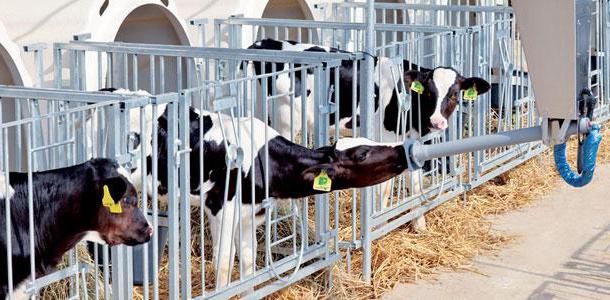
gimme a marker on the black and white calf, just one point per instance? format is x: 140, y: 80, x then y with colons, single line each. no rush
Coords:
x: 67, y: 209
x: 351, y: 163
x: 429, y: 112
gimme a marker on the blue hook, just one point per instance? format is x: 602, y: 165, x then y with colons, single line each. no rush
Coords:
x: 589, y: 155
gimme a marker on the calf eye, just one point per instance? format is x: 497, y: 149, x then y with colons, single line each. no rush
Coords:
x: 362, y: 156
x: 131, y: 200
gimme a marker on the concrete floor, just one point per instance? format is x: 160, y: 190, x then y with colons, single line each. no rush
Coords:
x: 563, y: 252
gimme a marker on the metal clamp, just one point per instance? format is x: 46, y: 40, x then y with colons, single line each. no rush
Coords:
x: 412, y: 164
x: 330, y: 106
x: 268, y: 203
x: 179, y: 153
x: 234, y: 157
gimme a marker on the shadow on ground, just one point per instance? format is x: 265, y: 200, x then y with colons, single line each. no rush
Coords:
x: 586, y: 275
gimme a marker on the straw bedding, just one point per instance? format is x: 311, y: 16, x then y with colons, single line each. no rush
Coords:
x: 457, y: 231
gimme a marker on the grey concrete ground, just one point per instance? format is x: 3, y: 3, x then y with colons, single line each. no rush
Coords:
x: 563, y: 252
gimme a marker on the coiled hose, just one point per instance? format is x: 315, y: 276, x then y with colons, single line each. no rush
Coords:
x: 589, y: 155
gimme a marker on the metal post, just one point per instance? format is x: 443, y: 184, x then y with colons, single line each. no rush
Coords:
x: 172, y: 180
x: 366, y: 123
x: 118, y: 254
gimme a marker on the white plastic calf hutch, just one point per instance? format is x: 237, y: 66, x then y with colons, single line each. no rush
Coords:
x: 12, y: 72
x: 145, y: 21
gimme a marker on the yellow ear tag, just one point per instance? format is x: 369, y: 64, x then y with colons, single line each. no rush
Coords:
x: 322, y: 182
x: 470, y: 94
x: 417, y: 87
x: 116, y: 208
x: 107, y: 199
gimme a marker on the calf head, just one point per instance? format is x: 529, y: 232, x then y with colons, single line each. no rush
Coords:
x: 439, y: 96
x: 359, y: 162
x: 118, y: 219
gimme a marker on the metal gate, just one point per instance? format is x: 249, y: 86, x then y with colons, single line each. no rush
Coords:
x: 225, y: 88
x: 55, y: 129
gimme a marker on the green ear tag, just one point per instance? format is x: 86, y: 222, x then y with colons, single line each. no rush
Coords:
x: 322, y: 182
x: 470, y: 94
x: 116, y: 208
x: 417, y: 87
x: 107, y: 199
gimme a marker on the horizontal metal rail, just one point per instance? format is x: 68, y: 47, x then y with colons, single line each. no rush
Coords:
x: 208, y: 53
x: 64, y: 273
x: 428, y: 7
x: 332, y: 25
x: 57, y: 94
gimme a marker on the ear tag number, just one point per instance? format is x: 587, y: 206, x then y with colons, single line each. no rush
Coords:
x: 107, y: 201
x: 417, y: 87
x: 471, y: 94
x: 116, y: 208
x: 322, y: 182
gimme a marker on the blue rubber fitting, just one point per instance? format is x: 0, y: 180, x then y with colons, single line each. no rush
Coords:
x: 590, y: 147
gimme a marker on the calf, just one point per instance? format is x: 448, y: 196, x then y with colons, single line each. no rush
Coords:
x: 68, y: 207
x: 430, y: 109
x: 351, y: 163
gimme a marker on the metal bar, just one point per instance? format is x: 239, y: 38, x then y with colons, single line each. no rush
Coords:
x: 7, y: 209
x: 55, y: 94
x: 321, y: 25
x: 173, y: 209
x: 281, y: 266
x: 31, y: 230
x: 421, y: 153
x: 366, y: 123
x: 429, y: 7
x: 41, y: 282
x: 185, y: 205
x: 117, y: 253
x: 211, y: 53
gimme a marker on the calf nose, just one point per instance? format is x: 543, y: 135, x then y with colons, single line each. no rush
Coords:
x: 149, y: 230
x: 438, y: 122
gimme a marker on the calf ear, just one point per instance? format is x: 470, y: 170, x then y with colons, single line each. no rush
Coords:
x: 134, y: 139
x: 480, y: 84
x: 330, y: 152
x: 311, y: 173
x: 411, y: 76
x: 117, y: 187
x: 163, y: 120
x: 110, y: 90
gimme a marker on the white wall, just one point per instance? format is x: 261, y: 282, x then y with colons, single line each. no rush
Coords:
x: 34, y: 21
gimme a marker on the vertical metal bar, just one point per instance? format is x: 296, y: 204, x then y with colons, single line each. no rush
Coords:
x: 118, y: 252
x: 143, y: 168
x: 319, y: 140
x: 366, y: 123
x: 304, y: 112
x: 31, y: 208
x: 185, y: 205
x: 203, y: 98
x: 172, y: 181
x: 7, y: 209
x: 161, y: 75
x: 253, y: 171
x: 155, y: 201
x: 179, y: 83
